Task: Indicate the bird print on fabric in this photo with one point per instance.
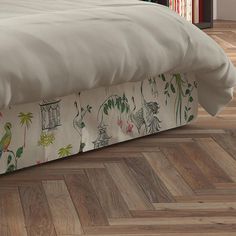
(6, 139)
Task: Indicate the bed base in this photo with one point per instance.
(43, 131)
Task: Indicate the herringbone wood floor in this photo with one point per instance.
(180, 182)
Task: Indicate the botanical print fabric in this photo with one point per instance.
(39, 132)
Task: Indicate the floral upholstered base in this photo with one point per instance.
(39, 132)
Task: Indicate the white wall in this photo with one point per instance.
(226, 9)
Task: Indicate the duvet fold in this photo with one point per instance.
(52, 49)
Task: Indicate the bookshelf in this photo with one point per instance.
(207, 15)
(207, 12)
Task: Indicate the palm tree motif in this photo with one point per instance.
(146, 116)
(65, 151)
(25, 120)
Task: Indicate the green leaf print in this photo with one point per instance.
(109, 104)
(182, 89)
(82, 125)
(12, 160)
(82, 146)
(190, 118)
(89, 108)
(112, 102)
(19, 152)
(172, 88)
(9, 159)
(10, 168)
(163, 78)
(105, 110)
(187, 92)
(46, 139)
(122, 107)
(167, 86)
(65, 151)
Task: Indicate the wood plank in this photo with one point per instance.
(202, 159)
(151, 184)
(214, 123)
(184, 213)
(187, 168)
(168, 234)
(196, 206)
(154, 140)
(102, 154)
(225, 185)
(108, 194)
(11, 214)
(220, 156)
(158, 229)
(65, 218)
(29, 175)
(168, 174)
(222, 192)
(36, 210)
(72, 164)
(119, 148)
(174, 221)
(190, 131)
(128, 187)
(85, 200)
(227, 141)
(207, 198)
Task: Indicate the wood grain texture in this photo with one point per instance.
(177, 183)
(168, 174)
(65, 218)
(36, 210)
(10, 208)
(190, 172)
(205, 163)
(108, 194)
(151, 184)
(128, 187)
(85, 200)
(220, 156)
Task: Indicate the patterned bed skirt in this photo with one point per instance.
(43, 131)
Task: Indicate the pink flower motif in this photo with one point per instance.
(129, 128)
(120, 123)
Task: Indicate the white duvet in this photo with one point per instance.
(52, 48)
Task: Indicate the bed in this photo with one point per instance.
(78, 75)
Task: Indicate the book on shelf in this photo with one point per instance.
(189, 7)
(182, 7)
(196, 11)
(200, 10)
(191, 10)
